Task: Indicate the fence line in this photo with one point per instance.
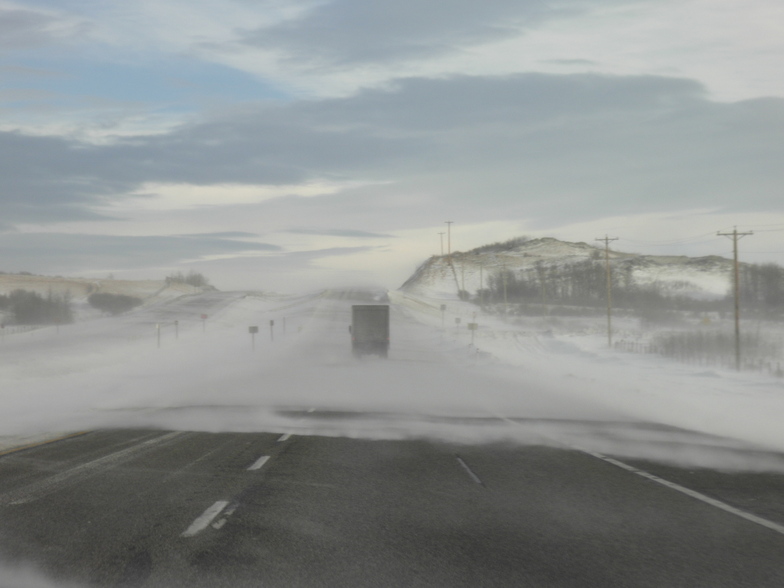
(713, 351)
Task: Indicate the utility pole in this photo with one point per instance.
(607, 241)
(441, 234)
(540, 272)
(481, 286)
(449, 239)
(506, 301)
(736, 236)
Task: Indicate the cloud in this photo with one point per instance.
(343, 33)
(537, 146)
(570, 61)
(315, 254)
(48, 179)
(22, 28)
(60, 253)
(290, 271)
(223, 235)
(340, 233)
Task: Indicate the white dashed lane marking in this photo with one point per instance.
(205, 519)
(259, 463)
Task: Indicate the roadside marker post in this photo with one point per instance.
(272, 330)
(472, 327)
(253, 331)
(203, 322)
(443, 310)
(158, 330)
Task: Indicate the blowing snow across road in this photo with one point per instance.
(220, 458)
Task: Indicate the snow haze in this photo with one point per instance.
(517, 383)
(522, 382)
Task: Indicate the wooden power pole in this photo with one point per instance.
(449, 239)
(736, 236)
(607, 241)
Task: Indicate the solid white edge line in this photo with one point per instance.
(43, 487)
(205, 519)
(693, 493)
(672, 485)
(259, 462)
(468, 470)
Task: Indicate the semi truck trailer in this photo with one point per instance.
(370, 329)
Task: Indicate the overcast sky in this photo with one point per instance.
(296, 144)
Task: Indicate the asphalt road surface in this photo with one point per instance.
(132, 508)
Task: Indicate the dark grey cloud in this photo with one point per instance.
(412, 107)
(223, 235)
(58, 253)
(570, 61)
(48, 179)
(535, 145)
(347, 32)
(316, 254)
(340, 233)
(23, 28)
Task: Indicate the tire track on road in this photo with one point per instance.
(41, 488)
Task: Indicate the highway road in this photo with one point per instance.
(171, 508)
(418, 471)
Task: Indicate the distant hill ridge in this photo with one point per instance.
(699, 277)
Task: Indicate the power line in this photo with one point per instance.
(668, 243)
(770, 225)
(680, 241)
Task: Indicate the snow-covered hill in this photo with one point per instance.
(443, 276)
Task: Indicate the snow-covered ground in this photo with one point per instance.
(575, 361)
(519, 383)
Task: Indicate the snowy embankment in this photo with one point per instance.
(149, 367)
(78, 291)
(746, 406)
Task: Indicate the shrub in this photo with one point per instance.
(113, 303)
(193, 278)
(30, 308)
